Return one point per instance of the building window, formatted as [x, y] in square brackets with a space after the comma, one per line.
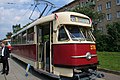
[99, 8]
[109, 16]
[118, 14]
[118, 2]
[108, 5]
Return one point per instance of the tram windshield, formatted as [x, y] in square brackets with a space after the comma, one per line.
[77, 33]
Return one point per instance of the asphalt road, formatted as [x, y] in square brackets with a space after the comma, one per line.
[110, 76]
[17, 72]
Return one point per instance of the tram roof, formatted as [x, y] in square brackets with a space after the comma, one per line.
[49, 18]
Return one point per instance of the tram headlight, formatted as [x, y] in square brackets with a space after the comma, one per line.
[88, 56]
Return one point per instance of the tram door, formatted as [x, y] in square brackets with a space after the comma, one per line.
[44, 46]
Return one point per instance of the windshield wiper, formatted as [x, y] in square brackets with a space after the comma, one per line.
[75, 38]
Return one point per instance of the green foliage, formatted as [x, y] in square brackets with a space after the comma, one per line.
[100, 40]
[8, 35]
[16, 28]
[101, 43]
[46, 38]
[114, 36]
[111, 41]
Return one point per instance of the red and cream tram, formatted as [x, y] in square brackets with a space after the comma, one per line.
[59, 44]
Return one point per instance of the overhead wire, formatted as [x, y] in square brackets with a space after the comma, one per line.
[32, 13]
[24, 13]
[49, 10]
[49, 7]
[45, 2]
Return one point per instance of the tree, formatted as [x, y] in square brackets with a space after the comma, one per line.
[111, 41]
[16, 28]
[101, 40]
[113, 31]
[8, 35]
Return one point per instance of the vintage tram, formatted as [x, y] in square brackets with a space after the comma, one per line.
[60, 44]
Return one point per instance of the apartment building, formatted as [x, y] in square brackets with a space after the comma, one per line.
[111, 8]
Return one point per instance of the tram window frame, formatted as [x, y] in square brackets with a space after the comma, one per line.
[72, 30]
[30, 35]
[62, 34]
[14, 40]
[19, 38]
[87, 34]
[84, 33]
[45, 32]
[24, 38]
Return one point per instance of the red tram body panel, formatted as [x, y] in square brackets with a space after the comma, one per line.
[26, 51]
[63, 54]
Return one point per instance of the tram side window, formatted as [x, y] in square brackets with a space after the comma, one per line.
[30, 35]
[24, 34]
[62, 34]
[19, 39]
[14, 40]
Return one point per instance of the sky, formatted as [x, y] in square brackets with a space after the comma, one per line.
[14, 12]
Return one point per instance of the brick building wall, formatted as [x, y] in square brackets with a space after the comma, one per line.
[110, 8]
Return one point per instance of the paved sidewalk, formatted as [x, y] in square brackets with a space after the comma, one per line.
[17, 73]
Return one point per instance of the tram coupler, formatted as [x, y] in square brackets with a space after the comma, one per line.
[90, 75]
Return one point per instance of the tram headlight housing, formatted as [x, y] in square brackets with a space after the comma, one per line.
[88, 56]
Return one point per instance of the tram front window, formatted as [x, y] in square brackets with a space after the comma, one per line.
[78, 33]
[62, 34]
[75, 33]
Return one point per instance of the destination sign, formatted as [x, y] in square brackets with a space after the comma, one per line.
[80, 19]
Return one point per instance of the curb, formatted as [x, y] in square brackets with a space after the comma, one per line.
[109, 71]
